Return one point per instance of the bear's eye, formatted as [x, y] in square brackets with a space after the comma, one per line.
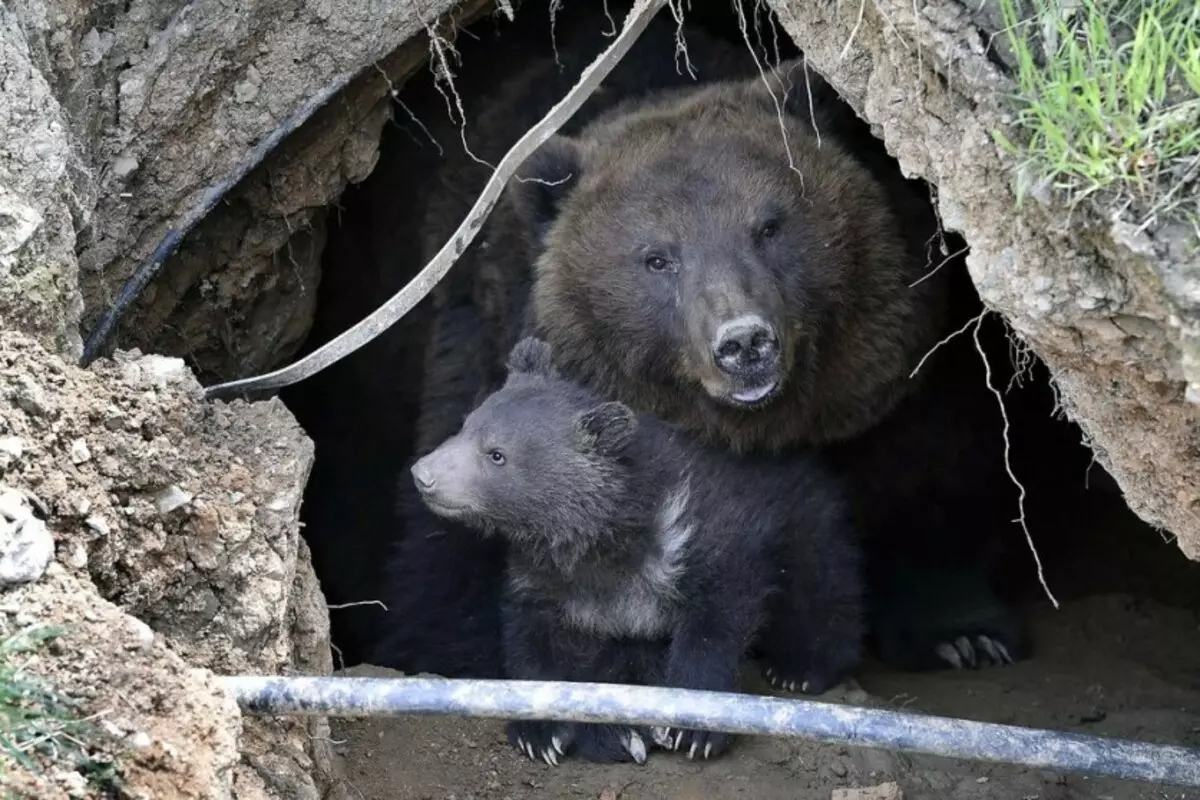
[768, 230]
[657, 263]
[496, 457]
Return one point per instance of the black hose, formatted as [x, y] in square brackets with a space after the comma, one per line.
[148, 270]
[721, 711]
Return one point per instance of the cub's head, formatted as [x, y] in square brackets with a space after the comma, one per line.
[539, 459]
[700, 251]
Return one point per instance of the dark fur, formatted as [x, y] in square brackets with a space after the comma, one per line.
[435, 617]
[637, 555]
[692, 177]
[687, 172]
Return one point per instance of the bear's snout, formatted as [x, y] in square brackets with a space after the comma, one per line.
[747, 344]
[423, 476]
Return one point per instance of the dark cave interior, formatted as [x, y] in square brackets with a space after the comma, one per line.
[361, 411]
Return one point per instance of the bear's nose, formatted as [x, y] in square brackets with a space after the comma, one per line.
[423, 476]
[745, 343]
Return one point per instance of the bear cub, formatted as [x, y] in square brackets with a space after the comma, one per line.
[638, 555]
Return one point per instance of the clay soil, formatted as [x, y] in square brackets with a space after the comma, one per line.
[1109, 665]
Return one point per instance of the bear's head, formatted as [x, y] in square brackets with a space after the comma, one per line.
[540, 459]
[715, 257]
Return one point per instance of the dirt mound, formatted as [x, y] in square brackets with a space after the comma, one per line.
[167, 729]
[184, 514]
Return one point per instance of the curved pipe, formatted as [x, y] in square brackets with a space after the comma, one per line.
[720, 711]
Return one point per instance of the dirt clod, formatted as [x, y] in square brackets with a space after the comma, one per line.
[884, 791]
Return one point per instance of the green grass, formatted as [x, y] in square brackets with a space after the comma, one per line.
[1108, 101]
[40, 726]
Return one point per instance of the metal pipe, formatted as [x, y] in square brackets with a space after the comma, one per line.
[720, 711]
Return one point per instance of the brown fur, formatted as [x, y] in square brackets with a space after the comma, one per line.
[852, 333]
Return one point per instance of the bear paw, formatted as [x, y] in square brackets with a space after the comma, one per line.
[545, 741]
[927, 630]
[814, 680]
[961, 653]
[610, 744]
[702, 744]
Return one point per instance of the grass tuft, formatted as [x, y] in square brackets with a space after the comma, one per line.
[1108, 101]
[40, 727]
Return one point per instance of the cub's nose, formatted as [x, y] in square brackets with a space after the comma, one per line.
[745, 344]
[423, 476]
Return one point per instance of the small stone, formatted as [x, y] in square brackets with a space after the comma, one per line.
[11, 450]
[31, 398]
[76, 784]
[124, 166]
[140, 740]
[98, 525]
[143, 634]
[171, 498]
[154, 370]
[112, 729]
[77, 557]
[26, 549]
[15, 505]
[884, 791]
[79, 452]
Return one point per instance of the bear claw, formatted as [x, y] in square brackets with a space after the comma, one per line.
[539, 741]
[808, 685]
[635, 746]
[705, 744]
[962, 653]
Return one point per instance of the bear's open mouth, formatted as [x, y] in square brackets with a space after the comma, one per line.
[750, 397]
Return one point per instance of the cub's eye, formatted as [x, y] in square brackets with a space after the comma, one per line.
[768, 230]
[496, 457]
[657, 263]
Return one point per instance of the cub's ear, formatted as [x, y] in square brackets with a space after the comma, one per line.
[606, 428]
[543, 181]
[531, 356]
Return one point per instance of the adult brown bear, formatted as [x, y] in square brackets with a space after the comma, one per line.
[744, 261]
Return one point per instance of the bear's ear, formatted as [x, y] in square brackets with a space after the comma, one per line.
[543, 181]
[531, 356]
[607, 428]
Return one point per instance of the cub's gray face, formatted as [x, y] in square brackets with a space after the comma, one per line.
[531, 460]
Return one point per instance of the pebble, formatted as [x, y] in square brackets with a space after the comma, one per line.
[143, 634]
[14, 505]
[31, 398]
[79, 452]
[11, 450]
[884, 791]
[26, 549]
[140, 740]
[154, 370]
[77, 557]
[98, 525]
[170, 499]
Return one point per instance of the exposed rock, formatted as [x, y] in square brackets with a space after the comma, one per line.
[26, 549]
[172, 730]
[39, 290]
[165, 102]
[11, 449]
[1115, 317]
[185, 515]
